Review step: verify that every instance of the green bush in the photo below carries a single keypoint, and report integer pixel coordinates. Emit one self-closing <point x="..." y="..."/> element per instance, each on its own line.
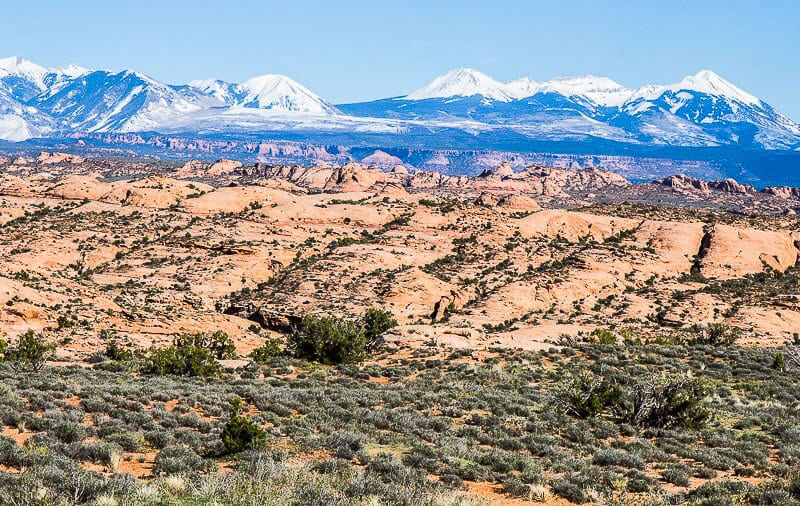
<point x="30" y="354"/>
<point x="603" y="336"/>
<point x="667" y="402"/>
<point x="376" y="322"/>
<point x="329" y="340"/>
<point x="715" y="334"/>
<point x="115" y="351"/>
<point x="779" y="362"/>
<point x="185" y="360"/>
<point x="240" y="432"/>
<point x="677" y="474"/>
<point x="217" y="343"/>
<point x="586" y="395"/>
<point x="269" y="350"/>
<point x="178" y="460"/>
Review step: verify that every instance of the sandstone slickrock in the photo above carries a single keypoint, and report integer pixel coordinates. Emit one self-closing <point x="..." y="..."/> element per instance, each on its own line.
<point x="156" y="255"/>
<point x="734" y="252"/>
<point x="573" y="226"/>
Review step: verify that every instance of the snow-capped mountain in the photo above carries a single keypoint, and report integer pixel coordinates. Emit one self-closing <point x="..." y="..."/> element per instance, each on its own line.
<point x="104" y="101"/>
<point x="700" y="110"/>
<point x="521" y="88"/>
<point x="224" y="91"/>
<point x="25" y="79"/>
<point x="37" y="101"/>
<point x="277" y="92"/>
<point x="598" y="91"/>
<point x="718" y="109"/>
<point x="462" y="83"/>
<point x="271" y="92"/>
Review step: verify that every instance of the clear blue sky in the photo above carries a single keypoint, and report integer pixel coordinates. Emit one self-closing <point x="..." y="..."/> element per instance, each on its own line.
<point x="356" y="50"/>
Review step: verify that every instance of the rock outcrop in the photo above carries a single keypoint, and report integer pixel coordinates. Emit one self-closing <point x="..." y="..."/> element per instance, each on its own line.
<point x="683" y="183"/>
<point x="733" y="251"/>
<point x="533" y="180"/>
<point x="53" y="158"/>
<point x="784" y="192"/>
<point x="223" y="167"/>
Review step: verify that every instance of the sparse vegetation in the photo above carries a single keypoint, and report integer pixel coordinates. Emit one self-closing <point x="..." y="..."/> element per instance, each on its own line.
<point x="638" y="423"/>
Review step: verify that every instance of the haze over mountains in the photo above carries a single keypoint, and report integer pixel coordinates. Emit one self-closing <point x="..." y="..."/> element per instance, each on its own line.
<point x="701" y="110"/>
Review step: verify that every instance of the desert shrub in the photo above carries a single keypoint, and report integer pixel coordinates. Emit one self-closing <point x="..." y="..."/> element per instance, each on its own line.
<point x="390" y="469"/>
<point x="586" y="395"/>
<point x="345" y="444"/>
<point x="68" y="431"/>
<point x="117" y="352"/>
<point x="515" y="488"/>
<point x="666" y="402"/>
<point x="715" y="334"/>
<point x="328" y="340"/>
<point x="614" y="457"/>
<point x="187" y="360"/>
<point x="30" y="354"/>
<point x="705" y="473"/>
<point x="267" y="351"/>
<point x="451" y="480"/>
<point x="217" y="343"/>
<point x="376" y="321"/>
<point x="159" y="438"/>
<point x="677" y="474"/>
<point x="240" y="432"/>
<point x="779" y="362"/>
<point x="178" y="460"/>
<point x="128" y="441"/>
<point x="603" y="336"/>
<point x="573" y="487"/>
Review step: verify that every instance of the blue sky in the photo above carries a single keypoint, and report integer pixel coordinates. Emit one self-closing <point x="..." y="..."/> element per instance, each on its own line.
<point x="357" y="50"/>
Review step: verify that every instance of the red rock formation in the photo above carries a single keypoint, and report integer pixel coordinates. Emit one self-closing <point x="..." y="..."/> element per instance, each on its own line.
<point x="785" y="192"/>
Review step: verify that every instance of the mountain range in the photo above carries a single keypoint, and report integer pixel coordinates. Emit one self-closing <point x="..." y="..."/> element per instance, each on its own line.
<point x="701" y="110"/>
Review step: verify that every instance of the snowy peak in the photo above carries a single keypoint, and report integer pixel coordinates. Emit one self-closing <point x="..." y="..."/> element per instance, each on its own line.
<point x="17" y="66"/>
<point x="70" y="71"/>
<point x="598" y="90"/>
<point x="522" y="88"/>
<point x="462" y="82"/>
<point x="103" y="101"/>
<point x="280" y="93"/>
<point x="22" y="78"/>
<point x="40" y="77"/>
<point x="706" y="82"/>
<point x="710" y="83"/>
<point x="222" y="90"/>
<point x="468" y="82"/>
<point x="700" y="110"/>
